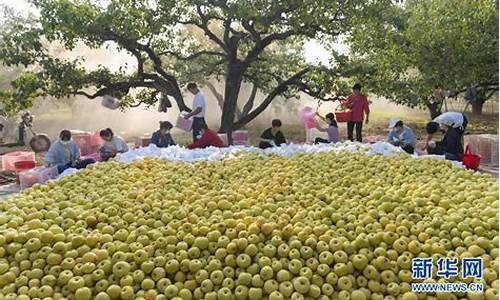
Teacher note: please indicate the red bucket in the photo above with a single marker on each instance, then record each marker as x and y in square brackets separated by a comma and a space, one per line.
[471, 161]
[343, 116]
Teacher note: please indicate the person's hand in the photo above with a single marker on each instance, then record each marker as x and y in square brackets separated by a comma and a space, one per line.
[186, 117]
[432, 144]
[367, 120]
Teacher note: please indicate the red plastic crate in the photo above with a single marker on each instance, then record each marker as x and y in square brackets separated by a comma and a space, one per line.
[9, 159]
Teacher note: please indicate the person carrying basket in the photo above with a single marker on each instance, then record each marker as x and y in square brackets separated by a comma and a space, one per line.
[358, 104]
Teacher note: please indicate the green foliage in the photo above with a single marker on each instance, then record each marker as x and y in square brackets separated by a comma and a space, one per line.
[173, 42]
[408, 51]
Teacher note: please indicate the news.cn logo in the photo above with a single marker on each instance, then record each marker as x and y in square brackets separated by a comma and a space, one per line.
[422, 268]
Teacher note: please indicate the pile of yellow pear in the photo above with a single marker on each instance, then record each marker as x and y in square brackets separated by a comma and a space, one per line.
[313, 226]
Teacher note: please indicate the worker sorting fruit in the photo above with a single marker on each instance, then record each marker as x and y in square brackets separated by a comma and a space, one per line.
[64, 154]
[453, 126]
[401, 135]
[113, 144]
[162, 138]
[272, 137]
[208, 138]
[332, 129]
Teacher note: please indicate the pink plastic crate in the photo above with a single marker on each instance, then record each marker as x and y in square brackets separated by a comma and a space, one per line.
[95, 140]
[9, 159]
[37, 175]
[487, 147]
[184, 124]
[83, 140]
[240, 135]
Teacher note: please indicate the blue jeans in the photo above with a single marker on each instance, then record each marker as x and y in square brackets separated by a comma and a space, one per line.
[197, 124]
[81, 164]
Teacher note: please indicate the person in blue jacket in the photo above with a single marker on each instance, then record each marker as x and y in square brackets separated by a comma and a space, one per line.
[162, 138]
[401, 135]
[64, 154]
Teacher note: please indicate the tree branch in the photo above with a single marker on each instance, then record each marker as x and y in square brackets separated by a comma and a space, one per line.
[218, 96]
[122, 86]
[249, 105]
[315, 94]
[192, 56]
[208, 32]
[278, 90]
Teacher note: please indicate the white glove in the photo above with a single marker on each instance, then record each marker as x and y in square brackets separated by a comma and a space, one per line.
[432, 144]
[273, 143]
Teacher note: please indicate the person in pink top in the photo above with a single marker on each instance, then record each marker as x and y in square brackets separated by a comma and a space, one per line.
[358, 104]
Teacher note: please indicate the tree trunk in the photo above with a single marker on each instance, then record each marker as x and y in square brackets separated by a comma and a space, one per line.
[220, 99]
[434, 109]
[232, 90]
[477, 107]
[477, 104]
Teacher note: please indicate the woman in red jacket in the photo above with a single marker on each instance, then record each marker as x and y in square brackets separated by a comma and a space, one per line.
[358, 104]
[208, 138]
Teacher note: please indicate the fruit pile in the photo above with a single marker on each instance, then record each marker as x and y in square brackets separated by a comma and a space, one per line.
[313, 226]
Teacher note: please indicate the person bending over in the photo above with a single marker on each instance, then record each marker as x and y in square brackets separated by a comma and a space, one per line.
[209, 138]
[272, 137]
[113, 144]
[450, 146]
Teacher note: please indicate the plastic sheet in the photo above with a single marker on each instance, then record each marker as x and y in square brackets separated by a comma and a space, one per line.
[181, 154]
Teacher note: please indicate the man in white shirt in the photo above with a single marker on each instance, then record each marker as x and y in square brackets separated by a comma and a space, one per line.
[198, 110]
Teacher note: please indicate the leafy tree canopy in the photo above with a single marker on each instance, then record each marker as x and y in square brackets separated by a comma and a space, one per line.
[409, 51]
[172, 41]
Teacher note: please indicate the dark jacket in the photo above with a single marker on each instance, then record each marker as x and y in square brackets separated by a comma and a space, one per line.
[451, 143]
[160, 141]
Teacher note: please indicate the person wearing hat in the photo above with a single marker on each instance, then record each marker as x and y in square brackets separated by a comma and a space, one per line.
[451, 146]
[401, 135]
[358, 104]
[162, 137]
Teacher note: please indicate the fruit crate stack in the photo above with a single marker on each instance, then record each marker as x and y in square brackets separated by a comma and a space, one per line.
[9, 159]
